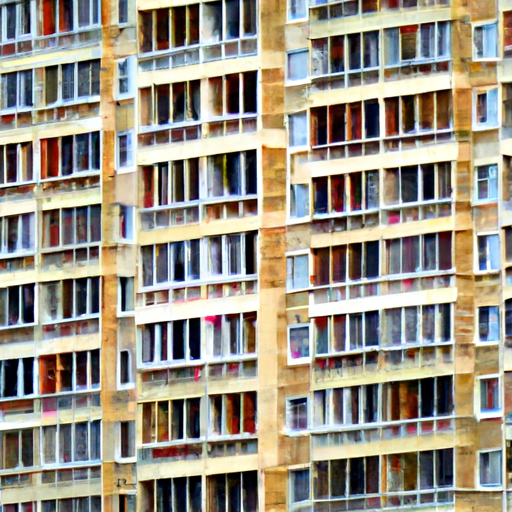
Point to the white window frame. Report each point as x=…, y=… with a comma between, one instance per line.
x=302, y=80
x=488, y=251
x=290, y=276
x=477, y=325
x=493, y=167
x=291, y=470
x=289, y=119
x=298, y=360
x=119, y=11
x=479, y=469
x=129, y=166
x=289, y=415
x=131, y=383
x=22, y=104
x=131, y=73
x=4, y=234
x=488, y=124
x=490, y=413
x=293, y=19
x=118, y=433
x=298, y=199
x=483, y=26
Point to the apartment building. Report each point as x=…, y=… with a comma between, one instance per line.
x=254, y=255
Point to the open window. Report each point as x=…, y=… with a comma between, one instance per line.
x=126, y=441
x=488, y=252
x=242, y=489
x=17, y=377
x=232, y=335
x=485, y=41
x=485, y=110
x=59, y=17
x=232, y=174
x=17, y=233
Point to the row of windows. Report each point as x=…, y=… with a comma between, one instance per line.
x=369, y=260
x=231, y=492
x=199, y=23
x=404, y=115
x=181, y=340
x=394, y=327
x=231, y=174
x=362, y=52
x=192, y=260
x=229, y=95
x=414, y=471
x=230, y=414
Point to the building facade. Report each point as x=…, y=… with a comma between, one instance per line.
x=254, y=255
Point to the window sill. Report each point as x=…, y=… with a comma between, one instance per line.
x=169, y=365
x=18, y=254
x=126, y=170
x=17, y=326
x=72, y=102
x=51, y=322
x=77, y=174
x=482, y=127
x=299, y=82
x=489, y=415
x=299, y=361
x=126, y=460
x=486, y=202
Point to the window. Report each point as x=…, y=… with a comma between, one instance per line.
x=233, y=414
x=122, y=11
x=339, y=263
x=232, y=335
x=373, y=403
x=299, y=201
x=417, y=324
x=297, y=9
x=486, y=108
x=127, y=439
x=418, y=183
x=71, y=442
x=173, y=494
x=69, y=16
x=233, y=95
x=127, y=503
x=232, y=174
x=125, y=150
x=241, y=488
x=430, y=111
x=298, y=343
x=18, y=449
x=126, y=69
x=70, y=82
x=71, y=298
x=297, y=413
x=488, y=252
x=175, y=262
x=17, y=23
x=72, y=371
x=347, y=122
x=299, y=486
x=487, y=182
x=17, y=233
x=485, y=41
x=71, y=226
x=231, y=255
x=17, y=305
x=92, y=504
x=346, y=192
x=490, y=395
x=417, y=44
x=298, y=129
x=126, y=222
x=172, y=341
x=341, y=333
x=170, y=183
x=126, y=295
x=490, y=468
x=507, y=34
x=298, y=65
x=177, y=27
x=297, y=272
x=122, y=76
x=17, y=90
x=172, y=420
x=489, y=323
x=125, y=367
x=432, y=252
x=16, y=163
x=69, y=155
x=17, y=377
x=164, y=104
